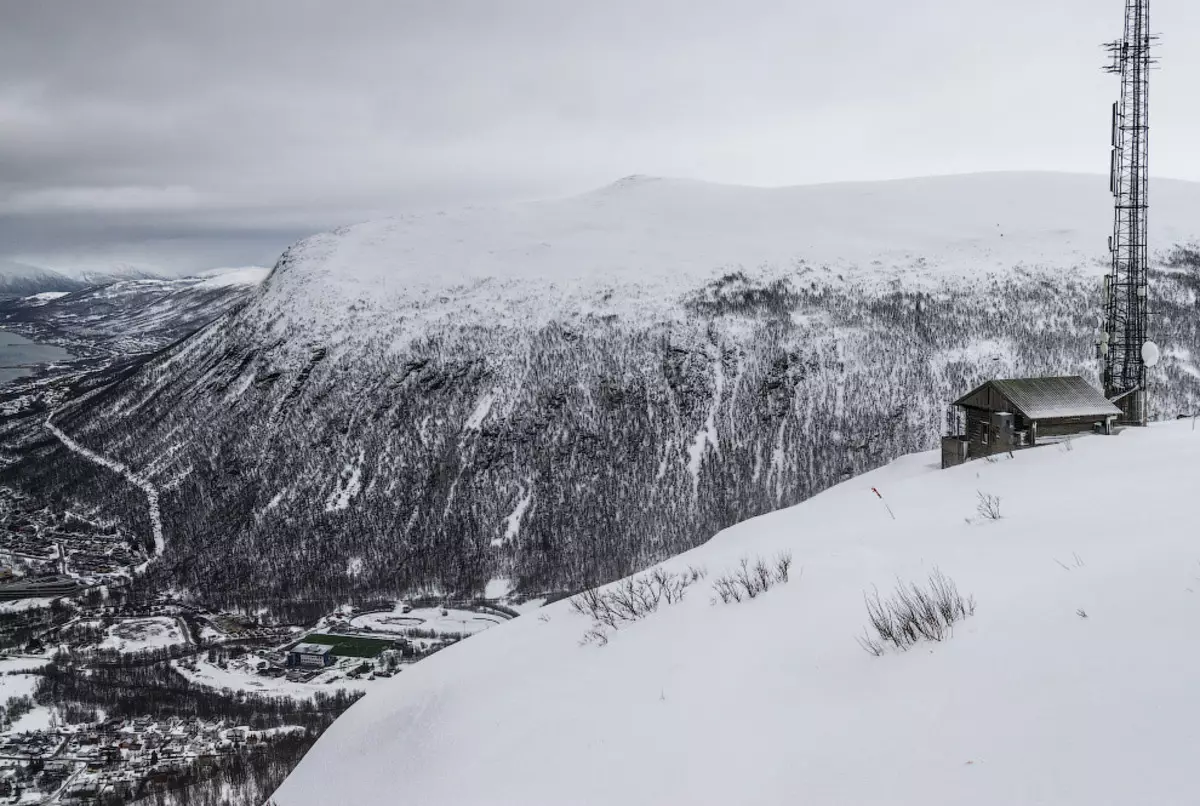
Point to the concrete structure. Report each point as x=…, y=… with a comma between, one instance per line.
x=1007, y=415
x=41, y=587
x=311, y=656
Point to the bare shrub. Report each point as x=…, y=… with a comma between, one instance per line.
x=727, y=589
x=630, y=600
x=596, y=635
x=988, y=506
x=914, y=613
x=752, y=578
x=761, y=577
x=783, y=564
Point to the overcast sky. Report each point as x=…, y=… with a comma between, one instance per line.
x=185, y=134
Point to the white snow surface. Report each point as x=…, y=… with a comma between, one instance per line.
x=427, y=618
x=634, y=247
x=223, y=278
x=512, y=522
x=134, y=635
x=47, y=296
x=772, y=701
x=15, y=684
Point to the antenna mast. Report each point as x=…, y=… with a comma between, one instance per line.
x=1122, y=345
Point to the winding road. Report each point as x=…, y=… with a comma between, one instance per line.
x=133, y=478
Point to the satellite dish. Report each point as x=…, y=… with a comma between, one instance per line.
x=1150, y=354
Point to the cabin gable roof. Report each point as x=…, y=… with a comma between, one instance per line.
x=1044, y=398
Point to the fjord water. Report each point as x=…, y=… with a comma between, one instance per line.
x=18, y=355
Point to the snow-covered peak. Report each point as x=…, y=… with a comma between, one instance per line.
x=23, y=279
x=226, y=277
x=634, y=250
x=1072, y=684
x=651, y=238
x=113, y=273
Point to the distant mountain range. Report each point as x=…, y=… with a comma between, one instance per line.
x=131, y=316
x=561, y=392
x=22, y=279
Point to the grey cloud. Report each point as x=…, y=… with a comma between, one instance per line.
x=188, y=130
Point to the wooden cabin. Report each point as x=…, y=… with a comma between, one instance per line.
x=1006, y=415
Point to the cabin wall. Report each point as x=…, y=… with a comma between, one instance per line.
x=979, y=434
x=987, y=399
x=1066, y=426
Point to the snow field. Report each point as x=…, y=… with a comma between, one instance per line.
x=772, y=701
x=134, y=635
x=597, y=253
x=14, y=684
x=239, y=677
x=427, y=618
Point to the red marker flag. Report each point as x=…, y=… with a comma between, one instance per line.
x=879, y=495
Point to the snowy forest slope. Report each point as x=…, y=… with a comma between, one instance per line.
x=561, y=392
x=1070, y=684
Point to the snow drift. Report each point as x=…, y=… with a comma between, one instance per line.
x=1074, y=682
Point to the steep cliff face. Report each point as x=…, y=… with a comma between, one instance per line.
x=563, y=391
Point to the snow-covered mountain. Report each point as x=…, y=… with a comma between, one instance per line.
x=1072, y=683
x=129, y=316
x=112, y=274
x=234, y=276
x=21, y=279
x=563, y=391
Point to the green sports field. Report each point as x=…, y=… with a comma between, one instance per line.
x=346, y=646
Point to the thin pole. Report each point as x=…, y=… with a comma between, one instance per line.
x=885, y=503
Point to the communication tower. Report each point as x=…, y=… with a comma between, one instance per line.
x=1123, y=347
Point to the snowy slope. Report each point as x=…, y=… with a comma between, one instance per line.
x=239, y=276
x=21, y=279
x=771, y=701
x=649, y=240
x=129, y=316
x=112, y=273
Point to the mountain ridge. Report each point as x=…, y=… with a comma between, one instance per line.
x=449, y=398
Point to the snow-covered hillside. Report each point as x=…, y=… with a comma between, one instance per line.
x=558, y=392
x=21, y=279
x=234, y=276
x=1073, y=684
x=637, y=247
x=129, y=316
